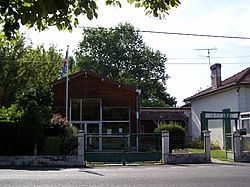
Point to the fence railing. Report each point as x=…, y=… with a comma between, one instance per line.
x=123, y=141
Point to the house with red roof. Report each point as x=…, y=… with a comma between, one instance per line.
x=231, y=94
x=152, y=117
x=97, y=104
x=100, y=105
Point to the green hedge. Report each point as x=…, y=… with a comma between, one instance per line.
x=8, y=137
x=177, y=134
x=52, y=145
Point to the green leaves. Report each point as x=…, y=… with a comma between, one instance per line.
x=121, y=54
x=41, y=14
x=23, y=70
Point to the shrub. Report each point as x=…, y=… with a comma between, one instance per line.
x=31, y=131
x=8, y=138
x=57, y=125
x=52, y=145
x=195, y=144
x=61, y=127
x=199, y=144
x=13, y=113
x=214, y=146
x=177, y=134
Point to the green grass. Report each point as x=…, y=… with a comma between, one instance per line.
x=192, y=150
x=217, y=154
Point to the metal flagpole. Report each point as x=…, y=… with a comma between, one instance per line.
x=67, y=82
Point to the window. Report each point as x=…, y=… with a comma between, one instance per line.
x=115, y=114
x=75, y=109
x=246, y=125
x=90, y=109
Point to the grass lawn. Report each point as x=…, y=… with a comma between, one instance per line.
x=217, y=154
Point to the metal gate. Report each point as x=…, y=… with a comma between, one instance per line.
x=229, y=146
x=122, y=148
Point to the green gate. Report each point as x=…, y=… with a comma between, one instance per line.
x=226, y=115
x=122, y=148
x=229, y=146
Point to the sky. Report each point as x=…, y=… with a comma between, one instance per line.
x=187, y=67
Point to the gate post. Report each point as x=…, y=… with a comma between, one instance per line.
x=207, y=144
x=165, y=146
x=80, y=153
x=236, y=144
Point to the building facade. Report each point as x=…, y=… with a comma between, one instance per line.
x=98, y=105
x=230, y=94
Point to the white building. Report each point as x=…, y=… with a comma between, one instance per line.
x=232, y=93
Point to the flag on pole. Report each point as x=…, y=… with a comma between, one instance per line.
x=64, y=68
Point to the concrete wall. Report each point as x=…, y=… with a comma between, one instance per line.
x=187, y=158
x=170, y=158
x=41, y=161
x=245, y=157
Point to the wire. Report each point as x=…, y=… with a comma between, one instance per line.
x=202, y=63
x=176, y=33
x=205, y=57
x=202, y=35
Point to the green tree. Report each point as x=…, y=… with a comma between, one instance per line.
x=27, y=72
x=64, y=13
x=38, y=69
x=121, y=54
x=10, y=54
x=31, y=130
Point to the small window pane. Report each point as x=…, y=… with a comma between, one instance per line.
x=75, y=109
x=246, y=125
x=91, y=109
x=111, y=114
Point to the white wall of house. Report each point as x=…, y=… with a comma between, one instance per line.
x=216, y=102
x=244, y=98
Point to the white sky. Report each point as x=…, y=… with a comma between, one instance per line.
x=223, y=17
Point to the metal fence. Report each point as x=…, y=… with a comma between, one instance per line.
x=129, y=142
x=122, y=148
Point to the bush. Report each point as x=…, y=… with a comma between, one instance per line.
x=177, y=134
x=13, y=113
x=195, y=144
x=214, y=146
x=61, y=127
x=52, y=145
x=8, y=138
x=199, y=144
x=31, y=131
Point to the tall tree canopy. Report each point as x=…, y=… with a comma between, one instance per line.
x=64, y=13
x=26, y=72
x=121, y=54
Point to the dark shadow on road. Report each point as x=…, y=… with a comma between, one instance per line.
x=91, y=172
x=40, y=168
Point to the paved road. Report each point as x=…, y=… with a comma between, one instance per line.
x=219, y=174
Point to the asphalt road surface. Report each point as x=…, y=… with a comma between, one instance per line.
x=214, y=174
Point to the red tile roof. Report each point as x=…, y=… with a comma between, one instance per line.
x=91, y=73
x=242, y=77
x=171, y=114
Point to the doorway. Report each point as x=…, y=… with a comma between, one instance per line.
x=93, y=139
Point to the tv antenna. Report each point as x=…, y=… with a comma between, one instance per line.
x=208, y=53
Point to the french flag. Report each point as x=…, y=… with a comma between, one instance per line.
x=64, y=66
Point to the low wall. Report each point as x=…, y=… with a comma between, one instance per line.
x=60, y=160
x=186, y=158
x=245, y=157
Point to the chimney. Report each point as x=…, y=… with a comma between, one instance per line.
x=215, y=75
